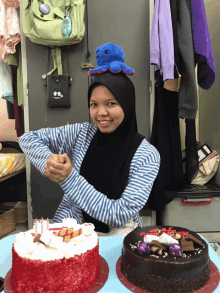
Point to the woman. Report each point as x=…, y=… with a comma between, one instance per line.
x=108, y=169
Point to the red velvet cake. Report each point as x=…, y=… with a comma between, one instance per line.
x=53, y=258
x=165, y=259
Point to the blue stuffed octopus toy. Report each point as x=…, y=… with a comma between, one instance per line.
x=110, y=57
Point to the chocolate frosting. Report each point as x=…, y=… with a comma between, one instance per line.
x=166, y=267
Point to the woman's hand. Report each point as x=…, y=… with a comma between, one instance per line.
x=58, y=168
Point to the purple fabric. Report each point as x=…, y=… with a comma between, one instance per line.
x=202, y=45
x=161, y=47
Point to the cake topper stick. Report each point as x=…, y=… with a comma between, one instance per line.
x=64, y=139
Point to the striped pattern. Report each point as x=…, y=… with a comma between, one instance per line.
x=72, y=235
x=64, y=232
x=78, y=193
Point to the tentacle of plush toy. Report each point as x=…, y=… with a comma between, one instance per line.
x=110, y=57
x=128, y=70
x=98, y=70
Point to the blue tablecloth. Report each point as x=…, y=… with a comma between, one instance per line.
x=110, y=249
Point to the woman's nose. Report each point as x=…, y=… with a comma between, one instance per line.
x=102, y=110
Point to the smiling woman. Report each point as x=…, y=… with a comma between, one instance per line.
x=105, y=110
x=109, y=168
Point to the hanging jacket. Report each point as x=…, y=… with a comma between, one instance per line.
x=188, y=102
x=161, y=47
x=202, y=45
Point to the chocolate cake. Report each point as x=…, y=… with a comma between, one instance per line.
x=180, y=261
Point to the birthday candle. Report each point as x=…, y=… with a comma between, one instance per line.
x=47, y=224
x=42, y=225
x=35, y=224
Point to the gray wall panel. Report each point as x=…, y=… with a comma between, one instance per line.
x=125, y=23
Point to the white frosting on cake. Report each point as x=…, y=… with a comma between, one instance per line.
x=26, y=248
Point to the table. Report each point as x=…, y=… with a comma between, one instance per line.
x=110, y=248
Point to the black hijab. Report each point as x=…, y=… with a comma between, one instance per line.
x=107, y=161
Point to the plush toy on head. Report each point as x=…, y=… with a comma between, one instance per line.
x=110, y=57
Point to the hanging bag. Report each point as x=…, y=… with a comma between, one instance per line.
x=43, y=22
x=58, y=85
x=207, y=168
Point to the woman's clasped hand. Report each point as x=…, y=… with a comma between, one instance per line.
x=58, y=168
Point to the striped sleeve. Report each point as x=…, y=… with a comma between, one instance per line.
x=116, y=213
x=39, y=145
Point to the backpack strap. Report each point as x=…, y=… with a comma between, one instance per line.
x=67, y=4
x=57, y=57
x=57, y=61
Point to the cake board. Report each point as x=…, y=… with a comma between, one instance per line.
x=209, y=287
x=104, y=272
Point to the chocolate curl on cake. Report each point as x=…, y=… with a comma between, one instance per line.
x=156, y=249
x=176, y=236
x=64, y=232
x=72, y=235
x=159, y=244
x=159, y=232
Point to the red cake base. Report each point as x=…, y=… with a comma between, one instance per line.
x=76, y=274
x=104, y=272
x=209, y=287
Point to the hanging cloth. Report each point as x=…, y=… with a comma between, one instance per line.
x=18, y=110
x=188, y=103
x=202, y=45
x=166, y=138
x=9, y=30
x=107, y=161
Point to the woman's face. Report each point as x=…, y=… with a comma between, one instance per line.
x=105, y=110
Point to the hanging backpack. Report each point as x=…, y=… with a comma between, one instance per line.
x=43, y=22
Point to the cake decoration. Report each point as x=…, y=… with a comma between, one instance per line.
x=156, y=250
x=178, y=261
x=167, y=231
x=159, y=244
x=187, y=245
x=40, y=226
x=194, y=239
x=72, y=235
x=175, y=250
x=166, y=239
x=149, y=238
x=176, y=235
x=143, y=247
x=64, y=232
x=160, y=240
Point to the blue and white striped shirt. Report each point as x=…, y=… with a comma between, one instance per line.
x=79, y=195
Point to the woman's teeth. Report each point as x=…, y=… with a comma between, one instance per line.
x=104, y=122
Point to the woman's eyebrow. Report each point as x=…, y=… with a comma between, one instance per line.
x=105, y=100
